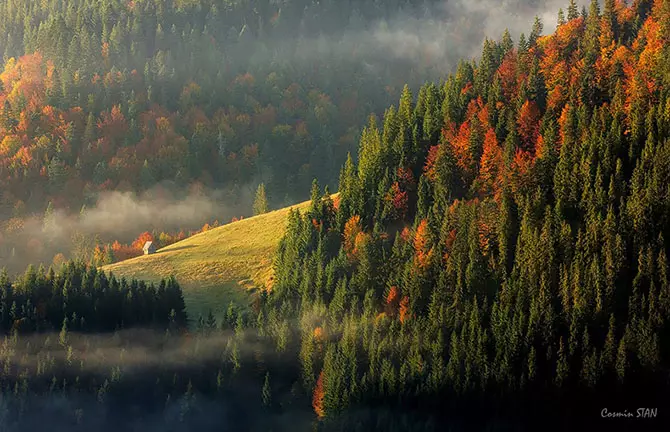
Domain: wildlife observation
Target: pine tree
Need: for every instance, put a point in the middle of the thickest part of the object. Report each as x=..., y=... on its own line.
x=210, y=323
x=266, y=392
x=573, y=11
x=260, y=202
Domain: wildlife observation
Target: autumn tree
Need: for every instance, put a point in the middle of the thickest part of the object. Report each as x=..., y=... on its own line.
x=318, y=396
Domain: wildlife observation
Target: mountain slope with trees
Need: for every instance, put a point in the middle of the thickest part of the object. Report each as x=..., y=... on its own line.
x=216, y=267
x=503, y=238
x=496, y=259
x=99, y=96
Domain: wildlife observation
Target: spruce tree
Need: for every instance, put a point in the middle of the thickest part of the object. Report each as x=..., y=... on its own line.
x=260, y=201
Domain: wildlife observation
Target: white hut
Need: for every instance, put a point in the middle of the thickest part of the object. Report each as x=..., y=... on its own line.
x=149, y=248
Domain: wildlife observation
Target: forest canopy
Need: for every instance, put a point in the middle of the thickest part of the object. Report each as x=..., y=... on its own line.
x=496, y=258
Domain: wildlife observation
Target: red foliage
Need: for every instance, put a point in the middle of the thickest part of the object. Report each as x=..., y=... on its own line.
x=507, y=73
x=112, y=125
x=406, y=178
x=317, y=397
x=399, y=200
x=405, y=234
x=529, y=126
x=460, y=141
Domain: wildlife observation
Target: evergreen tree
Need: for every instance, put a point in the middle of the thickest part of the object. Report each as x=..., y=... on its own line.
x=260, y=202
x=266, y=392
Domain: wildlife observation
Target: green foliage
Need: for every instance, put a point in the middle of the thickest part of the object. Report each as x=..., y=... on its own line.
x=260, y=201
x=477, y=294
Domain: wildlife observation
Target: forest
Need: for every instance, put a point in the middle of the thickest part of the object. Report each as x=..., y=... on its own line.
x=182, y=98
x=496, y=257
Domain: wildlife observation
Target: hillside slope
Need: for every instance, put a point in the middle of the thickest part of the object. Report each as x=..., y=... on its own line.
x=217, y=266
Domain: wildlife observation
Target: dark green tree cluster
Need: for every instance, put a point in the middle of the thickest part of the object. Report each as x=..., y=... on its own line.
x=83, y=299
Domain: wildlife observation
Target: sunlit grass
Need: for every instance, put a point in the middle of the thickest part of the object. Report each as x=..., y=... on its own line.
x=218, y=266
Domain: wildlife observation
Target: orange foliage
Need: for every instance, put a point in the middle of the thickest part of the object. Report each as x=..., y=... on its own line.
x=317, y=397
x=246, y=80
x=124, y=252
x=392, y=301
x=142, y=239
x=467, y=88
x=336, y=202
x=58, y=260
x=460, y=141
x=541, y=149
x=266, y=117
x=461, y=147
x=491, y=163
x=99, y=254
x=359, y=243
x=25, y=77
x=113, y=125
x=421, y=237
x=403, y=312
x=318, y=334
x=556, y=98
x=429, y=168
x=421, y=245
x=529, y=126
x=392, y=296
x=318, y=225
x=352, y=228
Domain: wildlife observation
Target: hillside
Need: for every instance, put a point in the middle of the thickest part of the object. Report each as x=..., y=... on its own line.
x=216, y=266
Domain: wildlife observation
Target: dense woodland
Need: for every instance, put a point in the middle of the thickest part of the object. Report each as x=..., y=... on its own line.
x=496, y=259
x=192, y=95
x=503, y=237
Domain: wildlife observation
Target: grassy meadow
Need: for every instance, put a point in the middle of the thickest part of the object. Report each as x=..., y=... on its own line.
x=224, y=264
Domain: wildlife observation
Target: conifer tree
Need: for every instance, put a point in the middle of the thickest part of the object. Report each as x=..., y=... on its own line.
x=266, y=392
x=260, y=201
